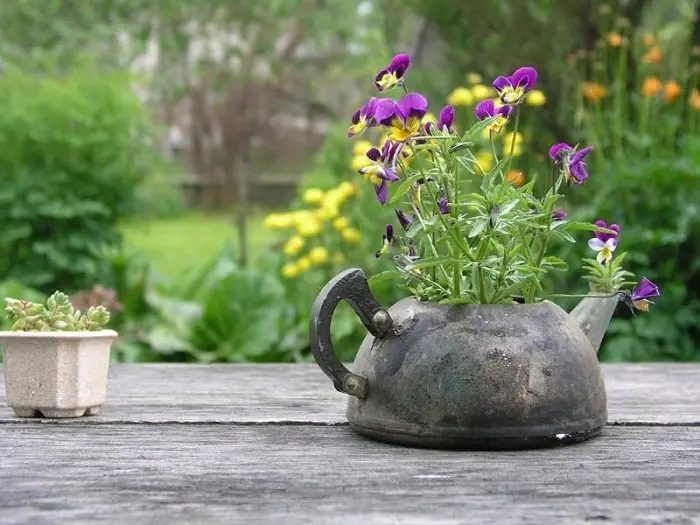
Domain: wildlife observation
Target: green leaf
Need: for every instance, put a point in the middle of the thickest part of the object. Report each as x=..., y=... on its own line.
x=382, y=277
x=404, y=187
x=584, y=226
x=477, y=128
x=430, y=262
x=555, y=262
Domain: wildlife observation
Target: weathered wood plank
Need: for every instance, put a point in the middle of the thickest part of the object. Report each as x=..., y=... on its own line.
x=288, y=474
x=637, y=393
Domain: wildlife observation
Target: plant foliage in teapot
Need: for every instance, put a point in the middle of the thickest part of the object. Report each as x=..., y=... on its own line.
x=477, y=358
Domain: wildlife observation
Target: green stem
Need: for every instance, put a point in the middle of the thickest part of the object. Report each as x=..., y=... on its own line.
x=512, y=142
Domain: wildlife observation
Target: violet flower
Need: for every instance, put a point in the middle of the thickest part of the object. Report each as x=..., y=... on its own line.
x=404, y=220
x=570, y=162
x=401, y=119
x=559, y=215
x=604, y=243
x=641, y=294
x=382, y=170
x=392, y=75
x=363, y=118
x=443, y=206
x=387, y=239
x=512, y=89
x=487, y=109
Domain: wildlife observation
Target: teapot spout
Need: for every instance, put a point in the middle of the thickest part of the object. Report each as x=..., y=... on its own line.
x=593, y=315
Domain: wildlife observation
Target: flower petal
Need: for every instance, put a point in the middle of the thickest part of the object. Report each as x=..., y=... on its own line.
x=524, y=77
x=447, y=117
x=384, y=111
x=579, y=155
x=373, y=154
x=382, y=191
x=412, y=105
x=501, y=83
x=645, y=289
x=555, y=150
x=485, y=109
x=596, y=244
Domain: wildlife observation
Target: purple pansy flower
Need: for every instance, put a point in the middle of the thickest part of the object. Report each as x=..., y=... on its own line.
x=383, y=169
x=570, y=161
x=392, y=75
x=363, y=118
x=401, y=119
x=443, y=206
x=487, y=109
x=604, y=243
x=404, y=220
x=387, y=239
x=447, y=117
x=641, y=294
x=559, y=215
x=512, y=89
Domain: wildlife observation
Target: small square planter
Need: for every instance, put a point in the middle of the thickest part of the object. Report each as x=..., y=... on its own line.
x=56, y=374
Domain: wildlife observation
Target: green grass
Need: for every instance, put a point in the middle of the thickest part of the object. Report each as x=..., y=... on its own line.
x=176, y=245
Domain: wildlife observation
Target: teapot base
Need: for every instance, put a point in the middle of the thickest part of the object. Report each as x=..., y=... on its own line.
x=464, y=442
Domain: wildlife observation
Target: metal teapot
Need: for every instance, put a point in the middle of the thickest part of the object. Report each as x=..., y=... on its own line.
x=468, y=376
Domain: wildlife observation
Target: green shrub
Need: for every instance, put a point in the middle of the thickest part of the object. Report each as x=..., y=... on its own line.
x=74, y=148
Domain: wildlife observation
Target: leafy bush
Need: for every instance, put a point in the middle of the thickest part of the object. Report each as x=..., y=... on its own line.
x=640, y=103
x=74, y=148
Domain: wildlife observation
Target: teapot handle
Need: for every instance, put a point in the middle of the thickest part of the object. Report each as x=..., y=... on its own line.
x=351, y=286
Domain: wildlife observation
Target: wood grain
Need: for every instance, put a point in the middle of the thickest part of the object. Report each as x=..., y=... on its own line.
x=281, y=474
x=259, y=394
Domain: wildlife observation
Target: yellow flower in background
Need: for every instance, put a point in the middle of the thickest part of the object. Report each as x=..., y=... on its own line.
x=338, y=258
x=517, y=150
x=309, y=228
x=312, y=196
x=361, y=147
x=651, y=86
x=536, y=98
x=318, y=255
x=293, y=246
x=614, y=39
x=341, y=223
x=482, y=92
x=278, y=221
x=347, y=189
x=694, y=99
x=460, y=97
x=671, y=91
x=290, y=270
x=485, y=160
x=351, y=235
x=359, y=162
x=303, y=264
x=508, y=139
x=593, y=91
x=429, y=117
x=485, y=134
x=653, y=56
x=473, y=78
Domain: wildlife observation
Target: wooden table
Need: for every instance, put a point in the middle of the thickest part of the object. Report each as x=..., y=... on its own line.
x=270, y=444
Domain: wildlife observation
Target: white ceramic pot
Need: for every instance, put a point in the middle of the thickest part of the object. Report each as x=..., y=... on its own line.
x=56, y=374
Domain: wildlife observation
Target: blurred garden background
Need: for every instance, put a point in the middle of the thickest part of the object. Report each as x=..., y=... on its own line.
x=186, y=163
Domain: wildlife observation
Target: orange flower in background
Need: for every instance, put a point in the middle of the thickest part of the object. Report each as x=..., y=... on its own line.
x=614, y=39
x=649, y=39
x=516, y=178
x=653, y=56
x=593, y=92
x=651, y=86
x=671, y=91
x=694, y=99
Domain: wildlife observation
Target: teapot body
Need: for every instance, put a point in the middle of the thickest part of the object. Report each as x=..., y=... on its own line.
x=479, y=376
x=467, y=376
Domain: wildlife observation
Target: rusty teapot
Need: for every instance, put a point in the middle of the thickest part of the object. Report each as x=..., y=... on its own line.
x=467, y=376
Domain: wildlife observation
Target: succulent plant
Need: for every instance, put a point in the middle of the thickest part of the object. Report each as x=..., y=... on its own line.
x=57, y=314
